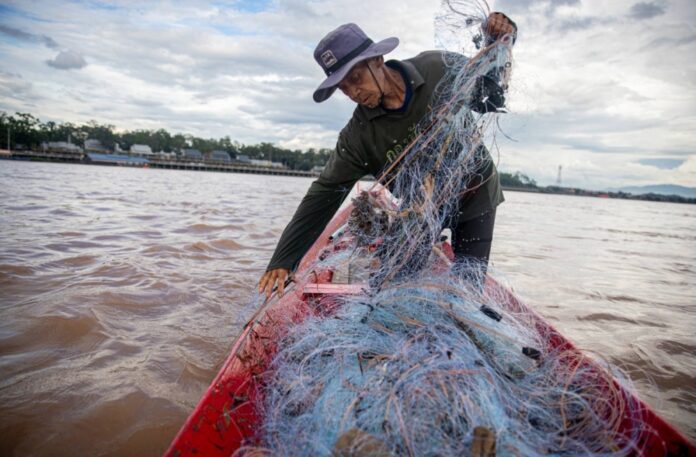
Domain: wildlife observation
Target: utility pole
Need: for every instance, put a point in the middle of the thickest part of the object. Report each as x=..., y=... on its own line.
x=8, y=138
x=558, y=180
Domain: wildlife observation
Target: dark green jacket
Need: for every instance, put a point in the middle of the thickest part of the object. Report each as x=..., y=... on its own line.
x=372, y=139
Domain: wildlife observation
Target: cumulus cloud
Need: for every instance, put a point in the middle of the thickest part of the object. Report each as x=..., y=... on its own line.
x=12, y=85
x=26, y=36
x=583, y=95
x=663, y=164
x=67, y=60
x=647, y=10
x=548, y=7
x=64, y=60
x=689, y=167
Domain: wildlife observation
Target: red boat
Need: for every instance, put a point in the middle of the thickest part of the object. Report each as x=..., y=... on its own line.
x=226, y=418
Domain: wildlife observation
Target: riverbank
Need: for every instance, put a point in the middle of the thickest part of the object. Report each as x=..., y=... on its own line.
x=177, y=163
x=172, y=163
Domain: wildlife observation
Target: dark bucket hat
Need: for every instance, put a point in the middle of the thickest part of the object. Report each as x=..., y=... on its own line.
x=340, y=50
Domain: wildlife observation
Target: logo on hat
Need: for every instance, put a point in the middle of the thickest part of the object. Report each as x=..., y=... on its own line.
x=328, y=58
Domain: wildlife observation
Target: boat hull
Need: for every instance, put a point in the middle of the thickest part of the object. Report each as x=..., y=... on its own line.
x=227, y=417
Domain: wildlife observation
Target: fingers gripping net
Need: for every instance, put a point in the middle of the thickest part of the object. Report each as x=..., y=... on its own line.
x=425, y=363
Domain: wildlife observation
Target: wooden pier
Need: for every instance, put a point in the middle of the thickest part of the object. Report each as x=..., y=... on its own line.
x=158, y=162
x=231, y=167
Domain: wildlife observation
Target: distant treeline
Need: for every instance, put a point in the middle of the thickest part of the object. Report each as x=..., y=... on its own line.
x=28, y=132
x=517, y=180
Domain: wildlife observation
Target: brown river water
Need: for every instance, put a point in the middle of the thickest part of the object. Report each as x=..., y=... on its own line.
x=122, y=290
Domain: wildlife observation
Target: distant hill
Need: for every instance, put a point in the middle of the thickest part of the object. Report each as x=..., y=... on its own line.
x=662, y=189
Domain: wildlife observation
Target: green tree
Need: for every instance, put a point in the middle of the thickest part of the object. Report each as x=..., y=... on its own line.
x=517, y=180
x=104, y=133
x=30, y=131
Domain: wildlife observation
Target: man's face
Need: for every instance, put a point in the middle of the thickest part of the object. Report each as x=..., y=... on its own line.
x=360, y=86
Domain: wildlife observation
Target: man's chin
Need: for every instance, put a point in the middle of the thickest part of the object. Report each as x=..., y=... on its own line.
x=370, y=103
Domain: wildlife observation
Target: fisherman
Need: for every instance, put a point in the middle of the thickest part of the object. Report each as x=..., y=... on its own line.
x=392, y=98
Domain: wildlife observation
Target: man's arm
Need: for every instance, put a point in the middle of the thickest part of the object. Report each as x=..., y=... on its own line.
x=315, y=211
x=321, y=202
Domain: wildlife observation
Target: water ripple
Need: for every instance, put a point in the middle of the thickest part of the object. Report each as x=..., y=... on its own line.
x=117, y=310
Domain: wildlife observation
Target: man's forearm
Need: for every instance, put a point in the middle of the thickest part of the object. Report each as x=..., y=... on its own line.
x=315, y=211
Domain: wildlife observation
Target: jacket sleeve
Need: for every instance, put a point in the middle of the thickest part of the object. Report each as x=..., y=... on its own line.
x=318, y=206
x=488, y=96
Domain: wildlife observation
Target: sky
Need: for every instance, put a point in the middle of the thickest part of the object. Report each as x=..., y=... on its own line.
x=605, y=90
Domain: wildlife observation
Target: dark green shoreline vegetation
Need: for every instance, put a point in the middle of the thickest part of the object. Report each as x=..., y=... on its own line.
x=28, y=133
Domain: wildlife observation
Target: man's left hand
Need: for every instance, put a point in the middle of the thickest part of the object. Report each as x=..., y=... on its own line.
x=270, y=278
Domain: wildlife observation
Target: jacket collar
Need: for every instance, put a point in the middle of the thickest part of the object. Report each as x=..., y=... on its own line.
x=415, y=79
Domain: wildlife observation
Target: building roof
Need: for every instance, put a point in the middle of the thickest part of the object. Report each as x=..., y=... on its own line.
x=62, y=145
x=193, y=153
x=140, y=149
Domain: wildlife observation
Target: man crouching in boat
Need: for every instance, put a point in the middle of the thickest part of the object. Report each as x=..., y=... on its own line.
x=392, y=98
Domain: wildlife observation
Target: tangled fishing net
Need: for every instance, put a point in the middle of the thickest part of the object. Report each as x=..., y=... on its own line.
x=428, y=361
x=420, y=370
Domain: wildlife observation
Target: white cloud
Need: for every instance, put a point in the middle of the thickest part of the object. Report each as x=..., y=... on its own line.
x=67, y=60
x=686, y=172
x=597, y=87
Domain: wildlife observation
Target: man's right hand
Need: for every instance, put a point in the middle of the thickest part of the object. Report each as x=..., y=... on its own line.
x=498, y=25
x=269, y=280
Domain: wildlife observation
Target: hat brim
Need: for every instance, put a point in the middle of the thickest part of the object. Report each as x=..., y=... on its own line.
x=328, y=86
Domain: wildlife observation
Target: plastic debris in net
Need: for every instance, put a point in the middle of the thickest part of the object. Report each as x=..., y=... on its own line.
x=426, y=362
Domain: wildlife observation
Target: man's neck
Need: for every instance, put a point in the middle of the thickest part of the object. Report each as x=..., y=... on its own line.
x=394, y=89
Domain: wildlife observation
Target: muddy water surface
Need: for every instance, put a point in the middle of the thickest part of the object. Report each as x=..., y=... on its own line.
x=121, y=291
